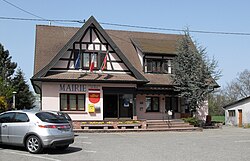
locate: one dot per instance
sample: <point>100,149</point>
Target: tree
<point>5,95</point>
<point>24,97</point>
<point>194,73</point>
<point>216,102</point>
<point>239,87</point>
<point>3,104</point>
<point>7,67</point>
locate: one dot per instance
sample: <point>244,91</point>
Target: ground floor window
<point>152,104</point>
<point>72,102</point>
<point>171,103</point>
<point>231,113</point>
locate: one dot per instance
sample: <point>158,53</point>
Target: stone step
<point>169,126</point>
<point>165,122</point>
<point>187,129</point>
<point>160,121</point>
<point>176,129</point>
<point>173,123</point>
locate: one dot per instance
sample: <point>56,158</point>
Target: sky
<point>231,51</point>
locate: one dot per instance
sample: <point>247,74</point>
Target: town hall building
<point>96,74</point>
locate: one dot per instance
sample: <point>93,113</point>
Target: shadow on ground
<point>51,151</point>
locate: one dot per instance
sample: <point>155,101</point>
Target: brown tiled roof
<point>51,39</point>
<point>156,46</point>
<point>90,77</point>
<point>159,79</point>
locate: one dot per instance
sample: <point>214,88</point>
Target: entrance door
<point>240,118</point>
<point>118,106</point>
<point>110,105</point>
<point>125,106</point>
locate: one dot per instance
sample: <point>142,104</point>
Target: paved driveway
<point>227,144</point>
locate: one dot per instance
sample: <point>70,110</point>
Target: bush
<point>3,104</point>
<point>192,120</point>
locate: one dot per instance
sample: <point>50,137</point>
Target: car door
<point>19,128</point>
<point>5,120</point>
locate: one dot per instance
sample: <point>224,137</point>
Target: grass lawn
<point>218,118</point>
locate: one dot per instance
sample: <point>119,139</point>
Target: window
<point>21,117</point>
<point>171,103</point>
<point>82,60</point>
<point>152,104</point>
<point>157,65</point>
<point>72,102</point>
<point>7,117</point>
<point>231,113</point>
<point>50,117</point>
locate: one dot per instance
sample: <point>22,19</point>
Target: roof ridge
<point>129,31</point>
<point>58,26</point>
<point>133,31</point>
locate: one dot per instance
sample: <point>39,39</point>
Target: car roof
<point>27,111</point>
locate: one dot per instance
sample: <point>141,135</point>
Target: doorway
<point>240,118</point>
<point>118,106</point>
<point>110,106</point>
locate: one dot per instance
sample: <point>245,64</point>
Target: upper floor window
<point>157,65</point>
<point>83,60</point>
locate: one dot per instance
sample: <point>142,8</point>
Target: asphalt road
<point>227,144</point>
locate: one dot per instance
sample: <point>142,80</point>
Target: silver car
<point>35,130</point>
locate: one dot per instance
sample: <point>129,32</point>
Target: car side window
<point>21,117</point>
<point>7,117</point>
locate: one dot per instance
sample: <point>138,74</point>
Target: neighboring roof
<point>52,41</point>
<point>236,102</point>
<point>157,46</point>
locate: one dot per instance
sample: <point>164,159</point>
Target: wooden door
<point>240,118</point>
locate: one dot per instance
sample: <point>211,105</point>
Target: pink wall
<point>141,108</point>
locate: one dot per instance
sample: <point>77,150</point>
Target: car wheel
<point>33,144</point>
<point>62,147</point>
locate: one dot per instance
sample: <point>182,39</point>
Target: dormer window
<point>157,64</point>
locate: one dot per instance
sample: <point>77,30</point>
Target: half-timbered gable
<point>90,45</point>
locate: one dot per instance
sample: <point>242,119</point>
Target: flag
<point>77,62</point>
<point>104,63</point>
<point>92,63</point>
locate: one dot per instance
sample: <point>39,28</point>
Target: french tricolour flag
<point>92,63</point>
<point>104,63</point>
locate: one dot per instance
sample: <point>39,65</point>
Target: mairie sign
<point>72,88</point>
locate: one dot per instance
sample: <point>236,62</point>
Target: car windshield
<point>50,117</point>
<point>66,116</point>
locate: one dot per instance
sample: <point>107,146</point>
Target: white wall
<point>140,54</point>
<point>51,100</point>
